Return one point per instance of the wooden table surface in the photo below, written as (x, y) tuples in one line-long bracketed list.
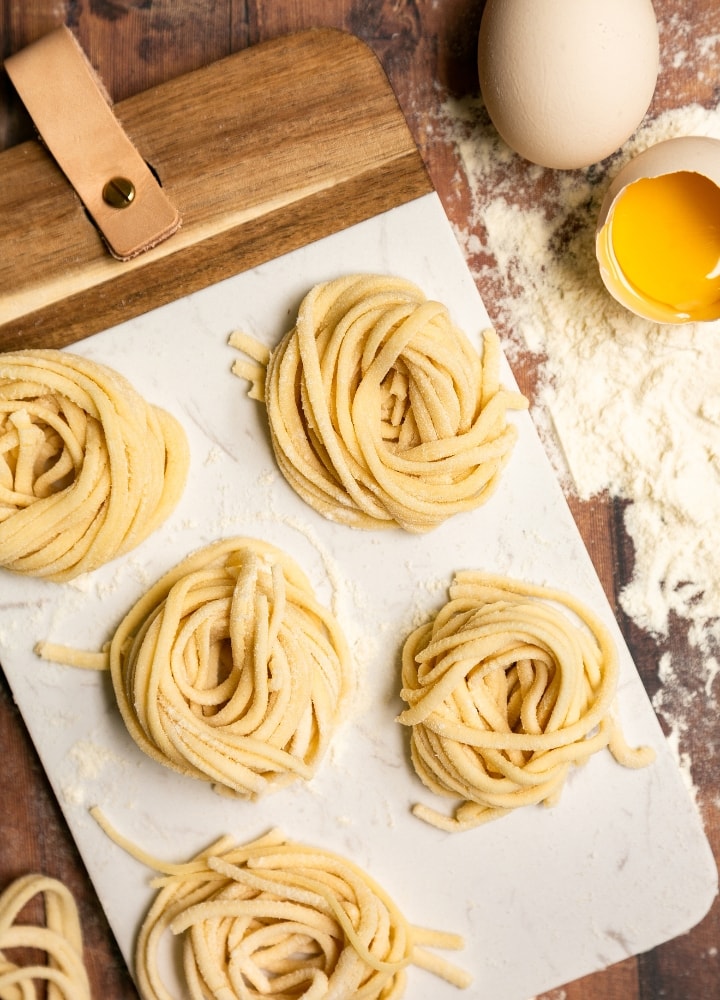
[(427, 48)]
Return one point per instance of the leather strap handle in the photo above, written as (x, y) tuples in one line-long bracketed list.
[(71, 111)]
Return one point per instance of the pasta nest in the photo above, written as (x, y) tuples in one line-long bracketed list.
[(505, 693), (88, 469), (229, 670), (275, 918), (381, 412), (64, 971)]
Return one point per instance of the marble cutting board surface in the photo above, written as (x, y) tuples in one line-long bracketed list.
[(543, 896)]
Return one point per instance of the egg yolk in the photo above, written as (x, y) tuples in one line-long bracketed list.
[(666, 240)]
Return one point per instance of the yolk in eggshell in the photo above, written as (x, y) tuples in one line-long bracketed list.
[(666, 240)]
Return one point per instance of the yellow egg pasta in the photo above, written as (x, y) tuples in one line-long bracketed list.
[(507, 688), (381, 412), (278, 919), (228, 669), (63, 974), (88, 469)]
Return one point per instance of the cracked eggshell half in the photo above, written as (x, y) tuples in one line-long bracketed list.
[(566, 82), (657, 239)]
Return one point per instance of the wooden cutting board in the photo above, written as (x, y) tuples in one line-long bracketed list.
[(262, 152)]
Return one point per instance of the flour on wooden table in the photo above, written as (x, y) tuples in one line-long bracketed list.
[(625, 406)]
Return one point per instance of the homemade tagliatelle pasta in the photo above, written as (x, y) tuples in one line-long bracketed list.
[(278, 919), (507, 688), (88, 469), (63, 973), (228, 669), (381, 412)]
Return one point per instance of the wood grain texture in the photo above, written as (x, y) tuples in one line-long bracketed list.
[(427, 49), (258, 153)]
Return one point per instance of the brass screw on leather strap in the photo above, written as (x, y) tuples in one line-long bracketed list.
[(119, 192), (65, 99)]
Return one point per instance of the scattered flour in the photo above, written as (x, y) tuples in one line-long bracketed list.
[(674, 701), (625, 406), (87, 762), (90, 758)]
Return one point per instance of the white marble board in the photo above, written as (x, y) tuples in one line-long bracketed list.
[(543, 896)]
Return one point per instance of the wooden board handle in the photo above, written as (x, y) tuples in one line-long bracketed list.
[(263, 152), (69, 107)]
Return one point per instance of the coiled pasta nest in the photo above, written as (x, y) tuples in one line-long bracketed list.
[(63, 973), (507, 688), (88, 469), (381, 412), (229, 670), (276, 918)]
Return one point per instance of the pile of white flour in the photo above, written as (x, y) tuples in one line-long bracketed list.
[(625, 406)]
